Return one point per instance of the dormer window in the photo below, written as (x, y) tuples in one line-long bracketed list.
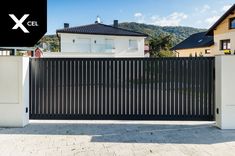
[(232, 23), (199, 41)]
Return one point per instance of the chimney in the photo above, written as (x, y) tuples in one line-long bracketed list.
[(98, 20), (66, 25), (115, 23)]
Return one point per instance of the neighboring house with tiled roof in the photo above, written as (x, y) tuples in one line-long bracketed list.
[(223, 32), (100, 40), (218, 40), (196, 45)]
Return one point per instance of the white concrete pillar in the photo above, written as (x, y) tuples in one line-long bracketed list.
[(14, 91), (225, 91)]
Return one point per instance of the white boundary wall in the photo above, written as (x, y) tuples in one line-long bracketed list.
[(14, 91), (225, 91), (87, 55)]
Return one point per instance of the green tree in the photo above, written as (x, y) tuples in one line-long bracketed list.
[(54, 46), (166, 53), (160, 46), (52, 42)]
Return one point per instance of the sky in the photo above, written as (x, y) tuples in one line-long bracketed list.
[(192, 13)]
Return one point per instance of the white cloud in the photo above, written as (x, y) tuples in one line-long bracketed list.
[(214, 15), (139, 17), (226, 7), (173, 19), (199, 22), (138, 14), (212, 20), (205, 8), (214, 12)]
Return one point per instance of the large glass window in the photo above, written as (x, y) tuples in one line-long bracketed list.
[(225, 45), (232, 23), (109, 43), (133, 44), (84, 45)]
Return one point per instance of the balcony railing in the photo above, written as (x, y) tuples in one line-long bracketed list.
[(94, 48), (103, 48)]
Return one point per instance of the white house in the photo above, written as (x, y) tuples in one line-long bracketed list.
[(100, 40)]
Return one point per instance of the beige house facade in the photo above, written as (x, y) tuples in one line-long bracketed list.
[(218, 40), (224, 35)]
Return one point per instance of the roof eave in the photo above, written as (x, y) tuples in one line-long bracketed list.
[(68, 30), (59, 32)]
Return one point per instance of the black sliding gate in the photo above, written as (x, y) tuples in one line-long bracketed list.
[(122, 89)]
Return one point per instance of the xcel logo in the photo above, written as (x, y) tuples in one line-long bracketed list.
[(19, 23)]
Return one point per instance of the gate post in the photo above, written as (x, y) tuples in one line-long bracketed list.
[(14, 91), (225, 94)]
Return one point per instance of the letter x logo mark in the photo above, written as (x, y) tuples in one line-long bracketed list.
[(19, 23)]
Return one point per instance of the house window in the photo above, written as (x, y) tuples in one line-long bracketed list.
[(84, 45), (133, 45), (207, 51), (109, 44), (199, 41), (232, 23), (225, 45)]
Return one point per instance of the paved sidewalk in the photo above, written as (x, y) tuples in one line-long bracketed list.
[(113, 138)]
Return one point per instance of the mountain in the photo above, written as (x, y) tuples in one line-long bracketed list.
[(178, 33)]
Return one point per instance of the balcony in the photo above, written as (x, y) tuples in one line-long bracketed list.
[(102, 48), (94, 48)]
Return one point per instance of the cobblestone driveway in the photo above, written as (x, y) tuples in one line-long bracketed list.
[(113, 138)]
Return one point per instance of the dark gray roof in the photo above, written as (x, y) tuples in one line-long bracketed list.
[(197, 40), (211, 30), (101, 29)]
